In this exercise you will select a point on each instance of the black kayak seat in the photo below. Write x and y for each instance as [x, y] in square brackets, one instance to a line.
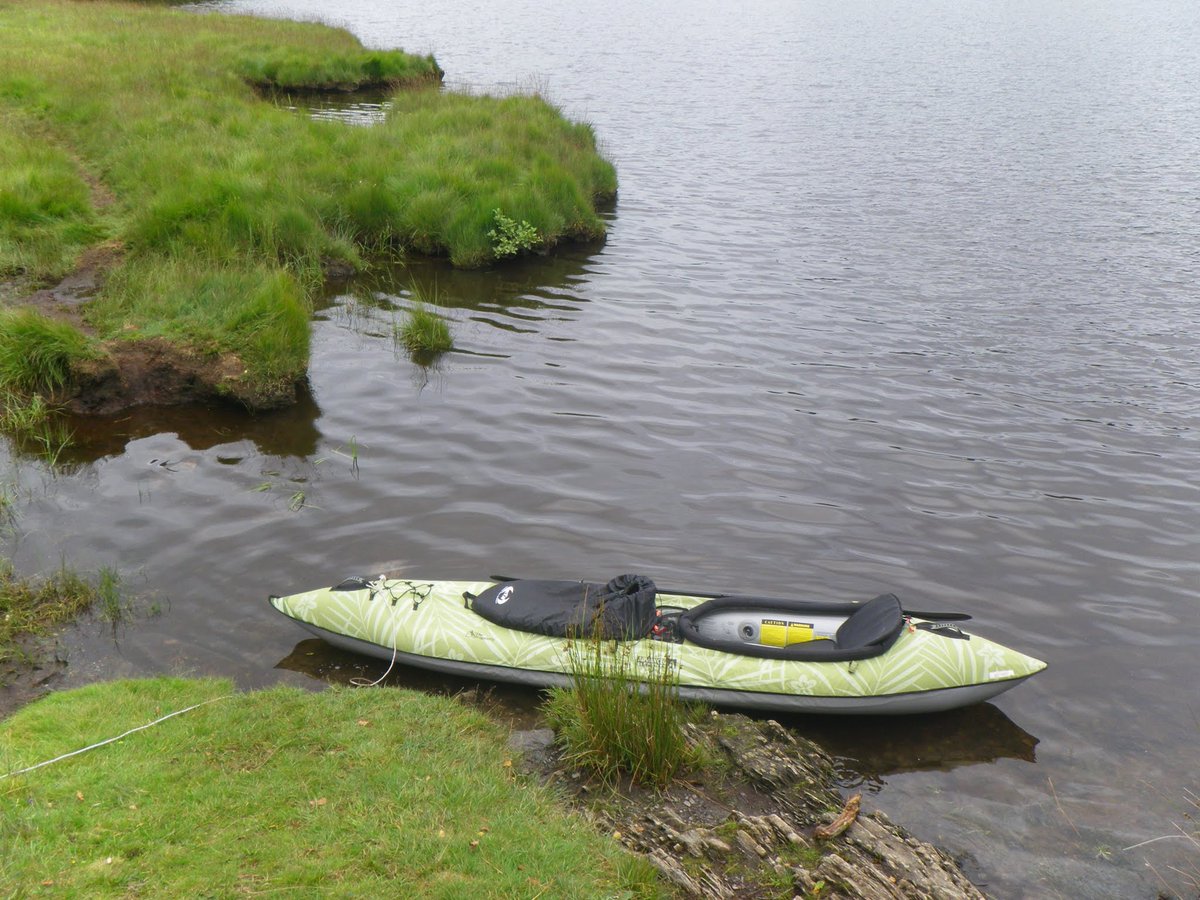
[869, 630]
[873, 623]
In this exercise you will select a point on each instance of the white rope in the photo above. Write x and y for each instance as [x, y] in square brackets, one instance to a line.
[381, 585]
[362, 682]
[177, 712]
[1165, 837]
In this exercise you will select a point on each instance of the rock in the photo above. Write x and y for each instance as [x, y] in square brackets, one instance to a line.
[532, 741]
[742, 824]
[534, 749]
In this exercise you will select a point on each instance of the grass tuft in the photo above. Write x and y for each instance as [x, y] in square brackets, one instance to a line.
[291, 69]
[424, 330]
[615, 718]
[35, 425]
[37, 353]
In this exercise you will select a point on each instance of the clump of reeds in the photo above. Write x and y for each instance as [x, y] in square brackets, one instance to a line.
[622, 712]
[35, 425]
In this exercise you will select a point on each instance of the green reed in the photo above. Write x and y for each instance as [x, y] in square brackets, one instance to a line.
[622, 712]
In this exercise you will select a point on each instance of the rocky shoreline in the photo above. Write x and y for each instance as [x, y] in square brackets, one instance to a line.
[765, 818]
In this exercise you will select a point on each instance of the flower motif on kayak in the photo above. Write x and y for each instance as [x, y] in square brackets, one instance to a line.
[303, 605]
[992, 655]
[804, 685]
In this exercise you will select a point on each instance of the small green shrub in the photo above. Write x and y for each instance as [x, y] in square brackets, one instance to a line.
[622, 713]
[510, 237]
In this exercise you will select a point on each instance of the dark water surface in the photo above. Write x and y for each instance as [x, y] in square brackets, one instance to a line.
[896, 296]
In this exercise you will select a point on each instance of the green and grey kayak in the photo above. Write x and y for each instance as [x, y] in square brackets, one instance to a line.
[781, 655]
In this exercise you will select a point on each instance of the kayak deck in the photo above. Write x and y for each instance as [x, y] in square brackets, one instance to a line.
[926, 667]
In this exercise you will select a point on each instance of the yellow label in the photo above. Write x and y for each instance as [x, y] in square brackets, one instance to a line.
[779, 633]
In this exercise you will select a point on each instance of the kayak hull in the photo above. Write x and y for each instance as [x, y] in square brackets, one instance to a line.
[430, 625]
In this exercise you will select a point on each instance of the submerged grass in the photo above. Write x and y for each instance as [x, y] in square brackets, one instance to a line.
[227, 206]
[354, 792]
[615, 718]
[34, 426]
[33, 607]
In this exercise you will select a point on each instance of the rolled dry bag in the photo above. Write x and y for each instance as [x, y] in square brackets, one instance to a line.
[623, 609]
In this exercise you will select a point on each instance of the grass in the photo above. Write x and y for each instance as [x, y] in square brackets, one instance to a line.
[615, 719]
[287, 69]
[34, 426]
[110, 603]
[37, 358]
[46, 216]
[424, 330]
[344, 793]
[37, 353]
[144, 128]
[31, 607]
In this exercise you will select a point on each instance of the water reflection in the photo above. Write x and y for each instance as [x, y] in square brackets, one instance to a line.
[362, 108]
[290, 432]
[870, 749]
[313, 657]
[518, 299]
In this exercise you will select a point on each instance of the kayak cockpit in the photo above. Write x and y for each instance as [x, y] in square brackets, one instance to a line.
[794, 630]
[625, 609]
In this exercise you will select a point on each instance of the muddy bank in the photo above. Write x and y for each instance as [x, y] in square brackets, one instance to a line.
[763, 819]
[140, 372]
[30, 673]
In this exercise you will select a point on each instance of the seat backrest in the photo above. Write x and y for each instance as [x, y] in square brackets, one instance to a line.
[875, 622]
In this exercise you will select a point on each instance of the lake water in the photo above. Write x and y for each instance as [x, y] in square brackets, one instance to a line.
[896, 296]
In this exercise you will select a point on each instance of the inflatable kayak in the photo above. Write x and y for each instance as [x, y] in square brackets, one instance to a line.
[782, 655]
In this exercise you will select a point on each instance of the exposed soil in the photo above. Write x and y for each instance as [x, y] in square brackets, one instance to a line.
[366, 84]
[765, 821]
[132, 373]
[29, 675]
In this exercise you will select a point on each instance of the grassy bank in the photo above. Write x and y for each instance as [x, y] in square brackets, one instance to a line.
[343, 793]
[146, 131]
